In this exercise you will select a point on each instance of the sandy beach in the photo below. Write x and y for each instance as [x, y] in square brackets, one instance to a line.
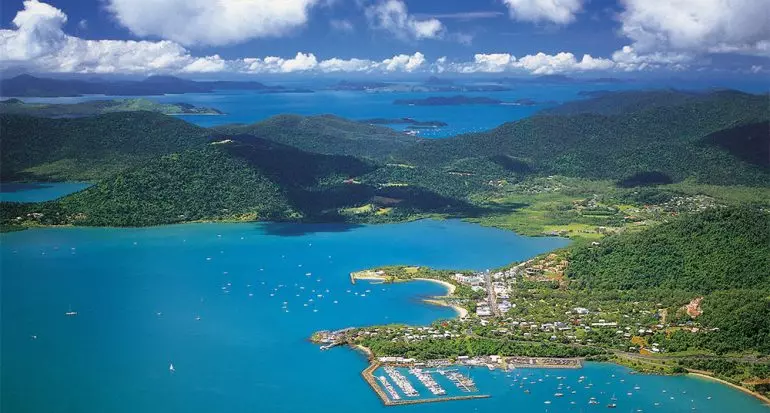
[372, 276]
[765, 399]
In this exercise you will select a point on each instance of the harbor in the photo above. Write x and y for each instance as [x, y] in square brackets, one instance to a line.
[390, 396]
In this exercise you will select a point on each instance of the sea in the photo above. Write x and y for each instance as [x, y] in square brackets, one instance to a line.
[231, 307]
[38, 191]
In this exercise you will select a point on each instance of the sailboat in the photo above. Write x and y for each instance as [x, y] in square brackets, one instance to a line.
[171, 367]
[71, 313]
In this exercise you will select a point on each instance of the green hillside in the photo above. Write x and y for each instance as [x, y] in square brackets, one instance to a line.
[98, 107]
[619, 102]
[663, 139]
[90, 148]
[326, 134]
[715, 250]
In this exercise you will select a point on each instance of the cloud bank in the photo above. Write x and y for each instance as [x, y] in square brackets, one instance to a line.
[38, 43]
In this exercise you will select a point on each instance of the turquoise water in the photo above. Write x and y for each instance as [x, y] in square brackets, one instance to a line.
[199, 296]
[249, 106]
[38, 192]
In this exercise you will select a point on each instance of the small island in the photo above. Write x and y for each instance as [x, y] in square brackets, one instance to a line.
[405, 121]
[99, 107]
[457, 100]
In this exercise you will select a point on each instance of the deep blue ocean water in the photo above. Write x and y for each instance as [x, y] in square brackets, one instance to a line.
[38, 191]
[209, 298]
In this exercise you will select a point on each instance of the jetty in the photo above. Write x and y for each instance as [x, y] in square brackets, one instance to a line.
[464, 383]
[401, 381]
[368, 375]
[426, 379]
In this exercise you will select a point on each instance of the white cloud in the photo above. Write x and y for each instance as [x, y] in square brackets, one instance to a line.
[208, 64]
[698, 26]
[273, 64]
[38, 32]
[393, 16]
[543, 64]
[211, 22]
[537, 64]
[83, 24]
[628, 59]
[404, 63]
[554, 11]
[39, 43]
[344, 26]
[341, 65]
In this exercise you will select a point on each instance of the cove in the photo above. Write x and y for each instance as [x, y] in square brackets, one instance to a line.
[38, 191]
[232, 305]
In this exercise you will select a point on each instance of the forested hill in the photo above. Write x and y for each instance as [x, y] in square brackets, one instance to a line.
[326, 134]
[26, 85]
[664, 139]
[98, 107]
[715, 250]
[619, 102]
[236, 178]
[89, 148]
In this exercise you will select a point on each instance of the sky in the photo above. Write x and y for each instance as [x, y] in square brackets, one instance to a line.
[457, 37]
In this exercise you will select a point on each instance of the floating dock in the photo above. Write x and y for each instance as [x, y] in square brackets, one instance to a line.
[368, 375]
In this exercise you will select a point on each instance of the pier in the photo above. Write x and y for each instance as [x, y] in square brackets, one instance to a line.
[368, 375]
[426, 379]
[465, 384]
[401, 381]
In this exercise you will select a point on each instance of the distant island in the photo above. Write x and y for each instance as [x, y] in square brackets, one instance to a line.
[405, 121]
[449, 101]
[97, 107]
[432, 84]
[29, 86]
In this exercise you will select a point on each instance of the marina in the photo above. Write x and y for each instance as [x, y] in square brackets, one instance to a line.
[429, 382]
[401, 382]
[390, 397]
[464, 383]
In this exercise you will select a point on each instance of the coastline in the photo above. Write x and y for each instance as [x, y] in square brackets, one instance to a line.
[759, 396]
[370, 275]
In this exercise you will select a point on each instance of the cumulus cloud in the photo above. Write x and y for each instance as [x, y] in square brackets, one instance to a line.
[698, 26]
[553, 11]
[628, 59]
[39, 43]
[402, 62]
[537, 64]
[393, 16]
[211, 22]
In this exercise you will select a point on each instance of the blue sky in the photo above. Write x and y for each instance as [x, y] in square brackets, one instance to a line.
[456, 36]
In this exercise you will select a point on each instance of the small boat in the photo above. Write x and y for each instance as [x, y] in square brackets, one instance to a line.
[558, 394]
[612, 406]
[71, 313]
[171, 367]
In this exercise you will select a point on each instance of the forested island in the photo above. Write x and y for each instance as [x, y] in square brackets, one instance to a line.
[449, 101]
[97, 107]
[665, 194]
[27, 85]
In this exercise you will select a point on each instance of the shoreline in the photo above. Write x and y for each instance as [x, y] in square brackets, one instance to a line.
[759, 396]
[369, 275]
